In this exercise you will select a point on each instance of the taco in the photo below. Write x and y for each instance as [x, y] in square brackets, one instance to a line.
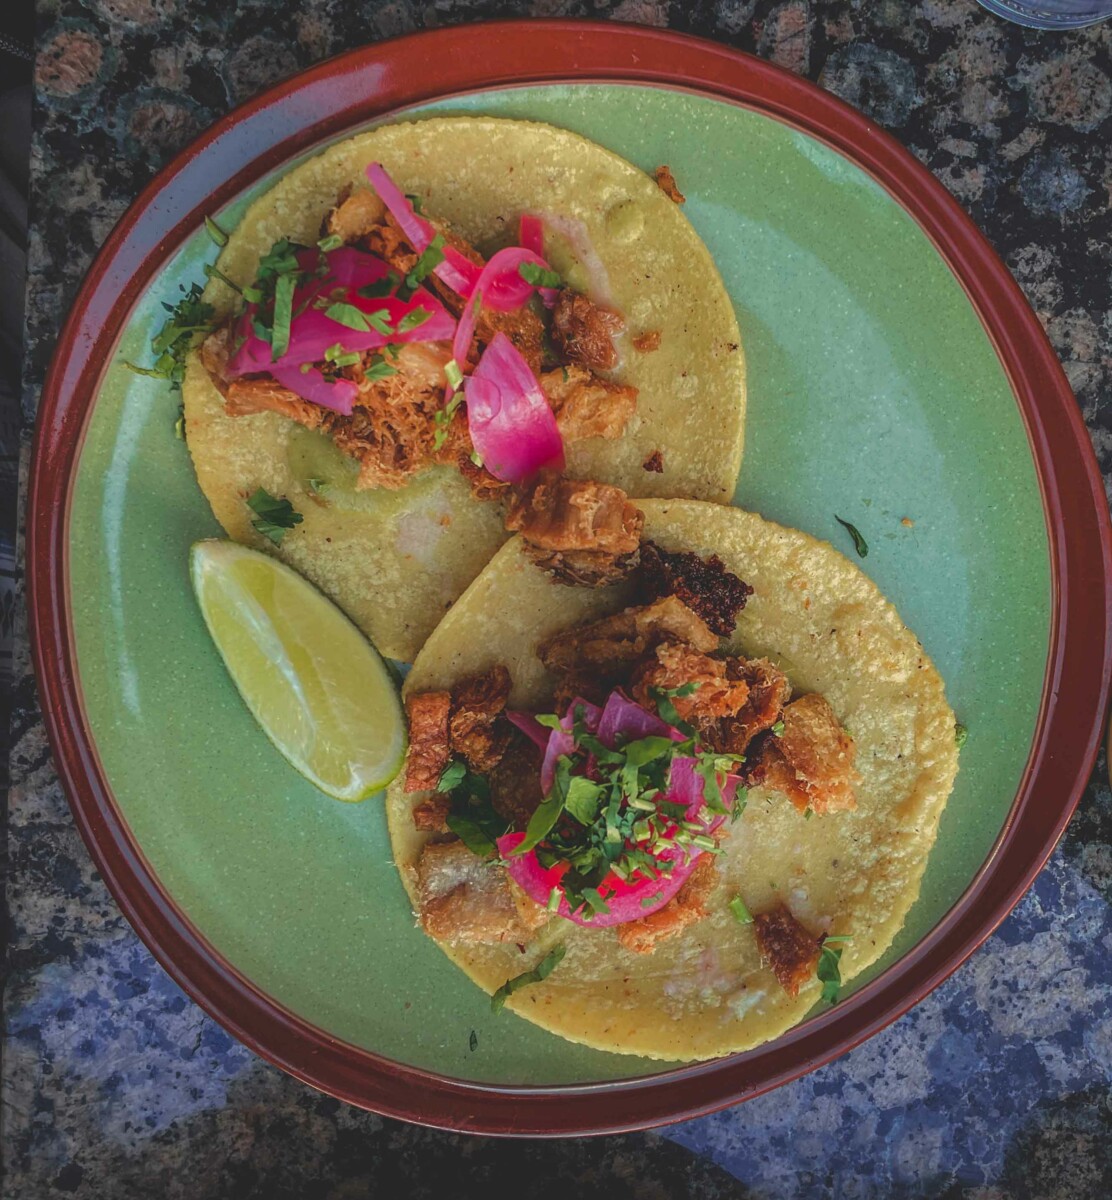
[668, 816]
[429, 312]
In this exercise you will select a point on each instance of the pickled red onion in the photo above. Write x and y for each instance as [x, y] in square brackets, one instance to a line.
[416, 229]
[511, 423]
[311, 385]
[531, 236]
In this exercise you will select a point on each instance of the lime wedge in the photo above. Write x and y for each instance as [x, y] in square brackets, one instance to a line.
[314, 683]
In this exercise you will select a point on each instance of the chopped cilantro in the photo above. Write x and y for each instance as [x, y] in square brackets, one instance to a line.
[215, 232]
[380, 368]
[859, 543]
[179, 424]
[189, 323]
[829, 969]
[332, 242]
[212, 271]
[649, 901]
[276, 516]
[808, 813]
[540, 972]
[380, 288]
[350, 316]
[961, 735]
[413, 320]
[538, 276]
[415, 200]
[453, 374]
[741, 914]
[431, 257]
[442, 420]
[452, 776]
[778, 729]
[472, 818]
[553, 900]
[473, 1041]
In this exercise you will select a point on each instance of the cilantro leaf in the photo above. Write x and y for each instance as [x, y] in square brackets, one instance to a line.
[828, 969]
[538, 276]
[276, 516]
[283, 315]
[189, 323]
[349, 316]
[741, 914]
[413, 320]
[547, 813]
[584, 799]
[859, 543]
[380, 288]
[540, 972]
[961, 735]
[452, 776]
[473, 1041]
[472, 834]
[431, 257]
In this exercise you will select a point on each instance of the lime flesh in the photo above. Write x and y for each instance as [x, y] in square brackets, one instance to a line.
[319, 689]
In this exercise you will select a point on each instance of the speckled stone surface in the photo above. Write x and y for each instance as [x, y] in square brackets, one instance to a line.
[998, 1085]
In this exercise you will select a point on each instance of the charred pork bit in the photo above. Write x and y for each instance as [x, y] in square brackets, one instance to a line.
[579, 685]
[614, 643]
[655, 463]
[674, 665]
[431, 814]
[648, 341]
[584, 568]
[478, 731]
[522, 326]
[584, 331]
[769, 691]
[429, 746]
[246, 397]
[587, 406]
[466, 899]
[811, 761]
[789, 950]
[703, 584]
[515, 783]
[686, 907]
[666, 181]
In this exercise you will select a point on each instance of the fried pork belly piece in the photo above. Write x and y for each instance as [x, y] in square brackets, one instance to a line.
[246, 397]
[674, 665]
[686, 907]
[811, 762]
[587, 406]
[584, 532]
[787, 948]
[356, 215]
[466, 899]
[522, 326]
[215, 351]
[431, 814]
[584, 331]
[612, 645]
[702, 583]
[429, 740]
[478, 732]
[515, 783]
[666, 181]
[768, 692]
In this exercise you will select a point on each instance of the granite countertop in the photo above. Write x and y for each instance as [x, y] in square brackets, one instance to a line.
[115, 1086]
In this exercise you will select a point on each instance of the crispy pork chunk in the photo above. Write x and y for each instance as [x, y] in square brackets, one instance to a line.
[470, 900]
[811, 762]
[673, 665]
[686, 907]
[702, 583]
[583, 532]
[584, 332]
[479, 732]
[587, 406]
[429, 746]
[613, 644]
[790, 952]
[666, 181]
[768, 689]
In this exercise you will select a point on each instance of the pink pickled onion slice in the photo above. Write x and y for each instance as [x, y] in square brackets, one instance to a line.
[531, 233]
[311, 385]
[503, 286]
[530, 726]
[418, 230]
[686, 786]
[560, 741]
[512, 425]
[458, 272]
[312, 332]
[622, 898]
[465, 331]
[624, 720]
[574, 232]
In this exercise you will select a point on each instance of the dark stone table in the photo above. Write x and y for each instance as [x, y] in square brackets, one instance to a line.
[116, 1087]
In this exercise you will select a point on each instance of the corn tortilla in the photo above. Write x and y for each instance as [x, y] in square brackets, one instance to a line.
[395, 561]
[705, 993]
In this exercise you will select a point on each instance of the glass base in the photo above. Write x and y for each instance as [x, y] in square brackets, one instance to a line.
[1036, 16]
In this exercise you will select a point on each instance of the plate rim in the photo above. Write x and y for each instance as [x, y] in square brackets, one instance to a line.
[381, 79]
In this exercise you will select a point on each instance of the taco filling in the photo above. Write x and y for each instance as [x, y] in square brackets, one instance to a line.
[400, 341]
[610, 807]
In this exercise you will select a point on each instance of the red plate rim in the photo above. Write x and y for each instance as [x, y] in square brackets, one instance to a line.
[377, 80]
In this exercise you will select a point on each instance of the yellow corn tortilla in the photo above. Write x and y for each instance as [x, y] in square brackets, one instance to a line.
[395, 561]
[704, 992]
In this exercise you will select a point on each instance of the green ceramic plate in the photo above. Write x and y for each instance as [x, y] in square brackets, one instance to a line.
[875, 394]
